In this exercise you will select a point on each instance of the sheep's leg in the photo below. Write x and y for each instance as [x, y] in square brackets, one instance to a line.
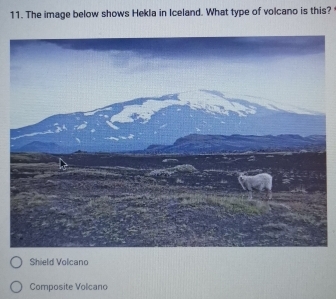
[269, 194]
[249, 195]
[265, 195]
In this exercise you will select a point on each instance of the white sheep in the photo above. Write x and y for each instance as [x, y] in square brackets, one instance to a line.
[258, 182]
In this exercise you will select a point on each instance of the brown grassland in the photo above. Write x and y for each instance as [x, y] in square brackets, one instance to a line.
[113, 200]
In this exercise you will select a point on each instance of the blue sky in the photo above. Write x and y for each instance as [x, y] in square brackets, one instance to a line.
[62, 76]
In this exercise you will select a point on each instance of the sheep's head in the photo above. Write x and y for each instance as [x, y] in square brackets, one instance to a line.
[241, 176]
[241, 180]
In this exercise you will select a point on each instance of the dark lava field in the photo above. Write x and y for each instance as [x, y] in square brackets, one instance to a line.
[125, 200]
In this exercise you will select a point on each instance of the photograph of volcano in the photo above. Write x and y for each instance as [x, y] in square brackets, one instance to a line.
[143, 142]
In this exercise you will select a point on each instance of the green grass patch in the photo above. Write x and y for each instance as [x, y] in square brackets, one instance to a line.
[231, 204]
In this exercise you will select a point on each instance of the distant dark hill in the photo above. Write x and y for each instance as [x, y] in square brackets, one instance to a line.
[45, 147]
[197, 144]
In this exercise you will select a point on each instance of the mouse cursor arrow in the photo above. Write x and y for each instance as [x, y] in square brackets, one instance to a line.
[62, 164]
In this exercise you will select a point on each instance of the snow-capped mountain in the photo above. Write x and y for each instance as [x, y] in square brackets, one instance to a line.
[139, 123]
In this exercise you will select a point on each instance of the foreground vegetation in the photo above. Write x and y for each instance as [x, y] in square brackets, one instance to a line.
[160, 201]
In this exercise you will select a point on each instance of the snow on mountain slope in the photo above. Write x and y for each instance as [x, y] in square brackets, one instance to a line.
[266, 103]
[139, 123]
[97, 110]
[212, 102]
[143, 112]
[34, 134]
